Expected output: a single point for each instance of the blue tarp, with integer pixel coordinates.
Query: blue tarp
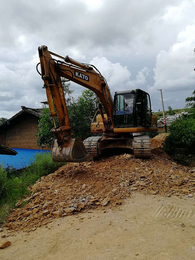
(21, 160)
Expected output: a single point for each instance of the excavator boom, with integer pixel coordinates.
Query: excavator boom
(65, 147)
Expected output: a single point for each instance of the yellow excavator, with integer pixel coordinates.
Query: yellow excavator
(121, 122)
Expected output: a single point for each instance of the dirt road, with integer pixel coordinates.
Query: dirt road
(144, 227)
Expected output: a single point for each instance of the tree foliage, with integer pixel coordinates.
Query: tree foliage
(2, 120)
(171, 111)
(182, 133)
(191, 100)
(80, 111)
(44, 134)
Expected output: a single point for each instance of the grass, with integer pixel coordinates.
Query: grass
(14, 184)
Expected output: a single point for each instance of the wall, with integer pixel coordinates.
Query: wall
(2, 138)
(22, 132)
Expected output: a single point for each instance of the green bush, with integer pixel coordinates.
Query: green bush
(182, 136)
(44, 133)
(3, 177)
(14, 184)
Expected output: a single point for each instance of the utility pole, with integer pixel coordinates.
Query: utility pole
(163, 110)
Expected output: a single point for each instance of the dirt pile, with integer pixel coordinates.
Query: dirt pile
(106, 183)
(158, 141)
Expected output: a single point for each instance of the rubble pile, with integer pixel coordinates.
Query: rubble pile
(78, 187)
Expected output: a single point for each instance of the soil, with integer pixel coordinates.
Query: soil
(115, 208)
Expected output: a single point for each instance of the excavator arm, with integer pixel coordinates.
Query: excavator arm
(65, 147)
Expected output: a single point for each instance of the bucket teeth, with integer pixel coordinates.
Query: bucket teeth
(72, 151)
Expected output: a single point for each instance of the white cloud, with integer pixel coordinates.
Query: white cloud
(174, 68)
(93, 5)
(128, 41)
(119, 76)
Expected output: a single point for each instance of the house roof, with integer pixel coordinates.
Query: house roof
(7, 150)
(25, 110)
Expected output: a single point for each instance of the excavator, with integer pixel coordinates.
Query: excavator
(122, 122)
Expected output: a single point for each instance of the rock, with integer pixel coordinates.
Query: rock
(133, 188)
(1, 230)
(34, 211)
(36, 206)
(47, 204)
(57, 214)
(6, 244)
(152, 192)
(45, 212)
(142, 183)
(18, 204)
(185, 191)
(69, 210)
(33, 196)
(37, 216)
(105, 202)
(80, 204)
(27, 213)
(84, 185)
(63, 204)
(179, 182)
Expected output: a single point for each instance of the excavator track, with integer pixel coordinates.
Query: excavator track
(91, 145)
(142, 146)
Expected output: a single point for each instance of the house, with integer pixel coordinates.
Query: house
(20, 130)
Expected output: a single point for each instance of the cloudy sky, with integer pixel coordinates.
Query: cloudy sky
(147, 44)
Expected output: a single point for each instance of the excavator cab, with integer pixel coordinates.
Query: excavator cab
(132, 109)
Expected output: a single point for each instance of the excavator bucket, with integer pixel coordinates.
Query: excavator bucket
(72, 151)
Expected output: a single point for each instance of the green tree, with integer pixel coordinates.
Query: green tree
(170, 111)
(67, 91)
(181, 138)
(44, 132)
(191, 100)
(2, 120)
(181, 135)
(80, 112)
